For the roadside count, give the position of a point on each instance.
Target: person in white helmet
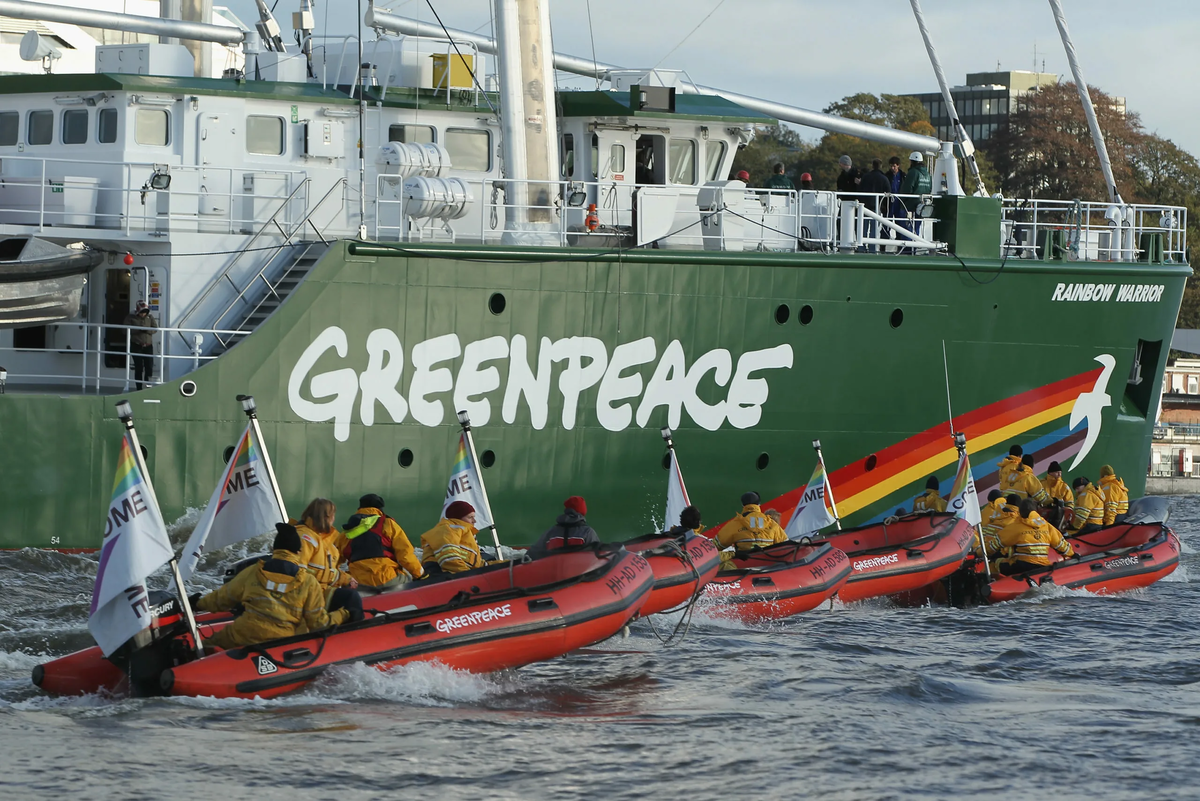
(917, 181)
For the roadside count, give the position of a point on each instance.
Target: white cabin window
(714, 155)
(683, 161)
(264, 135)
(568, 156)
(616, 157)
(10, 121)
(40, 129)
(417, 134)
(151, 126)
(106, 126)
(75, 126)
(469, 149)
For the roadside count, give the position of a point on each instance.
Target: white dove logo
(1089, 406)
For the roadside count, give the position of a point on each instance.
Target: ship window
(10, 121)
(617, 155)
(74, 126)
(469, 149)
(714, 156)
(106, 126)
(150, 127)
(419, 134)
(595, 156)
(568, 156)
(264, 135)
(41, 128)
(683, 161)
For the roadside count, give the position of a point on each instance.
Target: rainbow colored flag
(135, 545)
(963, 500)
(244, 505)
(467, 485)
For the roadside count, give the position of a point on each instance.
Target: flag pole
(464, 420)
(251, 410)
(837, 520)
(125, 413)
(960, 444)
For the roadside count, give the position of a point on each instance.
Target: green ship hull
(571, 362)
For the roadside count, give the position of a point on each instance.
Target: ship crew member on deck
(742, 176)
(1024, 483)
(278, 596)
(319, 551)
(749, 529)
(1027, 541)
(141, 343)
(450, 546)
(1009, 464)
(849, 178)
(1116, 496)
(570, 531)
(779, 180)
(931, 501)
(379, 554)
(895, 177)
(689, 523)
(1089, 507)
(806, 182)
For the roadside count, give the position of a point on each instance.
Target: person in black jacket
(875, 182)
(570, 531)
(849, 178)
(689, 522)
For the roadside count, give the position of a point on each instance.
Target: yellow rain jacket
(1089, 508)
(452, 545)
(931, 501)
(1058, 489)
(1116, 498)
(1025, 484)
(280, 598)
(1008, 464)
(750, 529)
(995, 516)
(382, 535)
(1029, 539)
(321, 555)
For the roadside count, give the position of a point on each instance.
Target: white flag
(244, 505)
(963, 501)
(677, 495)
(135, 545)
(812, 512)
(467, 485)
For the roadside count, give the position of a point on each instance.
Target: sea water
(1061, 695)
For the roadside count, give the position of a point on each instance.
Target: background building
(985, 102)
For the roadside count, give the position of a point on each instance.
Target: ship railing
(99, 358)
(51, 194)
(707, 217)
(1090, 231)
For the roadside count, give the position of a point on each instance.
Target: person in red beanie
(450, 546)
(570, 531)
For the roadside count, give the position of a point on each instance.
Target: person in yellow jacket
(749, 529)
(279, 598)
(1116, 496)
(1009, 464)
(1089, 507)
(1027, 541)
(319, 551)
(932, 500)
(378, 552)
(1055, 487)
(1024, 483)
(450, 546)
(995, 515)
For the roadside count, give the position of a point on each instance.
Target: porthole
(145, 453)
(806, 315)
(666, 462)
(782, 313)
(763, 460)
(487, 458)
(995, 306)
(497, 303)
(405, 459)
(187, 389)
(872, 460)
(227, 455)
(897, 318)
(847, 298)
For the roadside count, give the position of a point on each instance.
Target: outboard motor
(1151, 509)
(154, 649)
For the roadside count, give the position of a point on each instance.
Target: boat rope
(689, 609)
(592, 36)
(689, 36)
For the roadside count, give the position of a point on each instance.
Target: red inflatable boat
(893, 558)
(500, 616)
(779, 581)
(1113, 559)
(680, 571)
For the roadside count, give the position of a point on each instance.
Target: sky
(809, 53)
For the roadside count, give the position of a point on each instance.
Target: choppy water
(1065, 695)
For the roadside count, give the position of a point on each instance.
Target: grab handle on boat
(762, 581)
(417, 629)
(542, 604)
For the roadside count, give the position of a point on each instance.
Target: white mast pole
(251, 410)
(960, 133)
(837, 519)
(508, 61)
(1088, 109)
(464, 420)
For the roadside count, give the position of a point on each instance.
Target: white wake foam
(423, 683)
